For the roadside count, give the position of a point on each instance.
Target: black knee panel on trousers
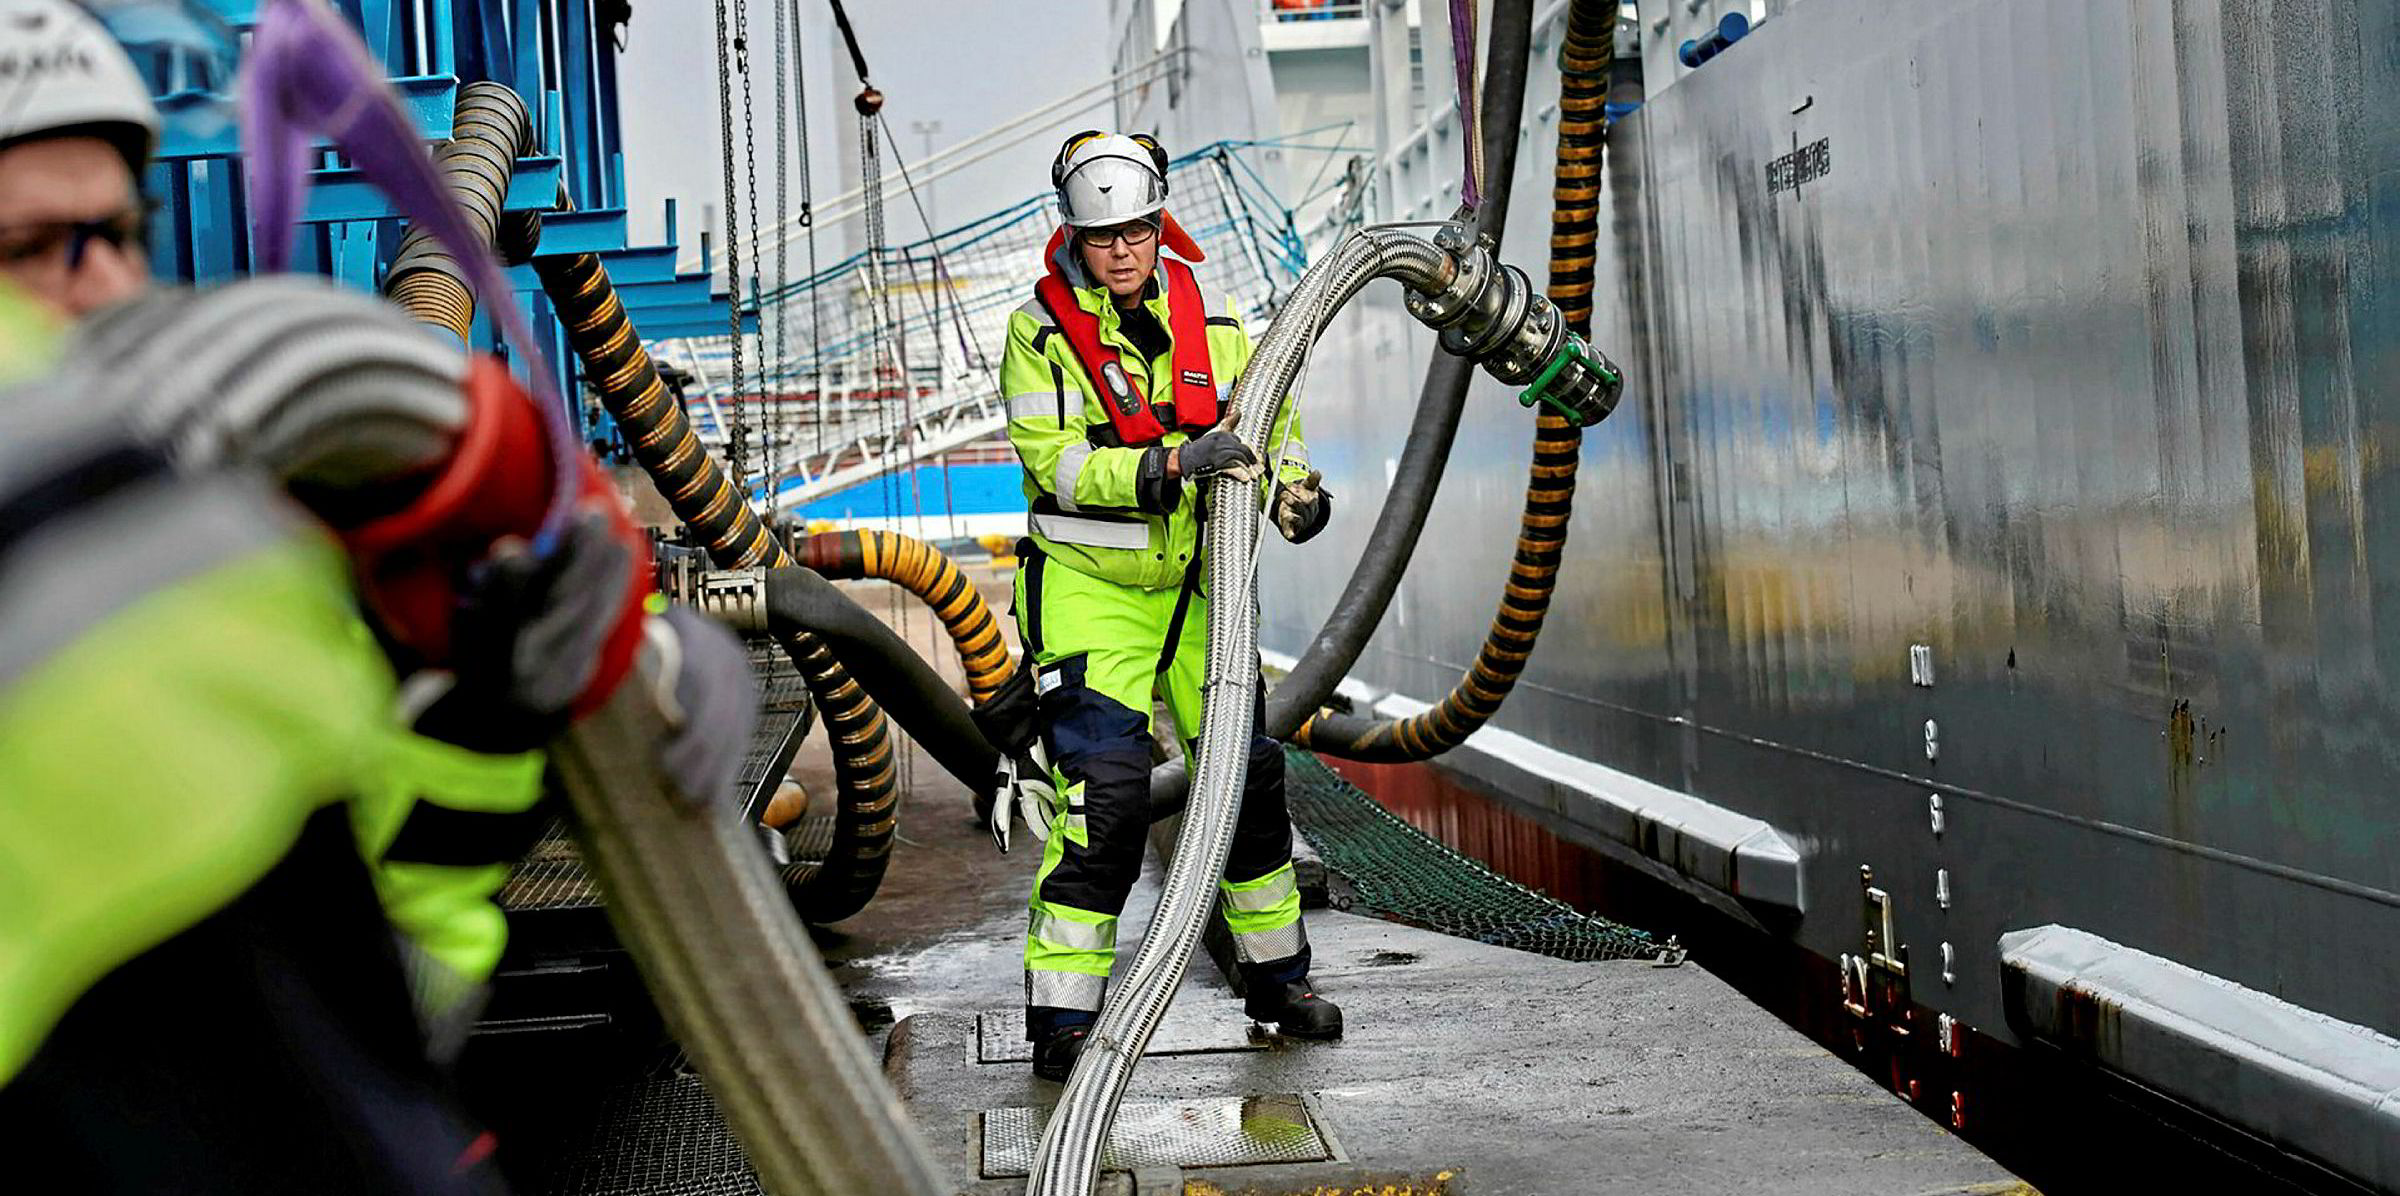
(1262, 836)
(1079, 722)
(1095, 741)
(1098, 874)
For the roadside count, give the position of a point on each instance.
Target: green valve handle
(1598, 371)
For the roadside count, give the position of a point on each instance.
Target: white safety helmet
(1109, 178)
(62, 74)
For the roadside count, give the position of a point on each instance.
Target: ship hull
(1996, 514)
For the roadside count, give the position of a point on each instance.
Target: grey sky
(967, 65)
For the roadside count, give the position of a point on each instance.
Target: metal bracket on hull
(2328, 1088)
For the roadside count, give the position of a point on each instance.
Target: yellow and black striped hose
(489, 131)
(923, 570)
(1557, 444)
(654, 425)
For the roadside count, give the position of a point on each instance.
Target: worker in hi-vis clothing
(1117, 380)
(455, 801)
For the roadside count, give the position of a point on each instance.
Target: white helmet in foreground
(1109, 178)
(61, 74)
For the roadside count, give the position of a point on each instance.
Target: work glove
(1218, 450)
(1302, 508)
(527, 638)
(1022, 789)
(712, 705)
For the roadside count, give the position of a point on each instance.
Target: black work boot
(1294, 1008)
(1055, 1054)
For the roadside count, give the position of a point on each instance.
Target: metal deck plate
(1225, 1131)
(1000, 1036)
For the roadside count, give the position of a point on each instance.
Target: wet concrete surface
(1467, 1067)
(950, 917)
(1510, 1072)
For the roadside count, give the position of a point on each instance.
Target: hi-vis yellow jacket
(1079, 482)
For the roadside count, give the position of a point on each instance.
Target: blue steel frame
(553, 54)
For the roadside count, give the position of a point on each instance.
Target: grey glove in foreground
(715, 707)
(527, 639)
(1303, 508)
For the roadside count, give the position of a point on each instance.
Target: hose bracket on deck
(736, 598)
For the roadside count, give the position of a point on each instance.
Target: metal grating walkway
(552, 876)
(659, 1137)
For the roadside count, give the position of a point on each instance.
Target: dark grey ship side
(1982, 584)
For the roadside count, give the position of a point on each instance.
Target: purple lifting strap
(1462, 61)
(308, 73)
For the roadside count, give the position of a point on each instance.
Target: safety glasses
(1132, 232)
(34, 242)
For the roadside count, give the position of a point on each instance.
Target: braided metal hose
(741, 985)
(923, 570)
(489, 130)
(1557, 442)
(661, 437)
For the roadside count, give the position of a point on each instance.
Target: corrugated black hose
(1557, 443)
(660, 435)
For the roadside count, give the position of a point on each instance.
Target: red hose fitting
(414, 564)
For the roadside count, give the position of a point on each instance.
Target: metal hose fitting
(1489, 311)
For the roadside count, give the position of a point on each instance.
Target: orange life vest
(1192, 402)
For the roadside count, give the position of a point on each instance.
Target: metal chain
(780, 346)
(741, 58)
(870, 175)
(733, 248)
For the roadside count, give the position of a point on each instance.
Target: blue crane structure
(560, 55)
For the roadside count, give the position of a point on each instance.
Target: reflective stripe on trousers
(1065, 990)
(1264, 916)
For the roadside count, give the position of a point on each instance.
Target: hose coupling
(736, 598)
(1489, 312)
(1581, 383)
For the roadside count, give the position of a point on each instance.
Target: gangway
(891, 357)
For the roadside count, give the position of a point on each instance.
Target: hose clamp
(1530, 345)
(1496, 314)
(1580, 382)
